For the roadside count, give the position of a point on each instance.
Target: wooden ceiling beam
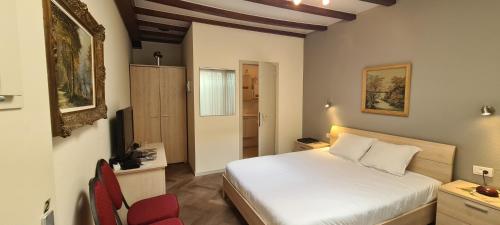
(161, 40)
(381, 2)
(161, 26)
(126, 9)
(161, 34)
(238, 16)
(306, 9)
(154, 13)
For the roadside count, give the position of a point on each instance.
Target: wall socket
(478, 170)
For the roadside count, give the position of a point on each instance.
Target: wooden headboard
(435, 160)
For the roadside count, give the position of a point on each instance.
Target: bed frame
(435, 160)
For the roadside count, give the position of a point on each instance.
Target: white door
(267, 108)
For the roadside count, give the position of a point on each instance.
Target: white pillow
(351, 147)
(389, 157)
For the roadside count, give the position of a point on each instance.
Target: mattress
(317, 188)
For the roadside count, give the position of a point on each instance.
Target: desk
(144, 182)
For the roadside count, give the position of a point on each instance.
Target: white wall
(172, 54)
(218, 138)
(25, 136)
(75, 157)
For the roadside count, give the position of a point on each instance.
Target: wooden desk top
(467, 190)
(159, 163)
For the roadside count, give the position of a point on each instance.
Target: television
(124, 131)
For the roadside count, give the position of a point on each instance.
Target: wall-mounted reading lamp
(485, 189)
(328, 105)
(487, 110)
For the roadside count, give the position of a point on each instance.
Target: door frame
(240, 116)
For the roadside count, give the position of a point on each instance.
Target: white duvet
(316, 188)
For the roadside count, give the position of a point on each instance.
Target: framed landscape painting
(386, 90)
(74, 42)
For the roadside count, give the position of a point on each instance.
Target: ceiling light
(297, 2)
(326, 2)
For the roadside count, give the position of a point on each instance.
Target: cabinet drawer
(443, 219)
(468, 211)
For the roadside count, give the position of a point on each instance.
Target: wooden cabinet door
(145, 98)
(173, 113)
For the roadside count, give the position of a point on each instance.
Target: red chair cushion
(171, 221)
(154, 209)
(109, 180)
(103, 205)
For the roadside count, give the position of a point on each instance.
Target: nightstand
(459, 204)
(299, 146)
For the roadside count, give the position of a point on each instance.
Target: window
(217, 92)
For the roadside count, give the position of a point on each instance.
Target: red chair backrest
(100, 204)
(108, 178)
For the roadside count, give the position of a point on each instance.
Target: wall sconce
(487, 110)
(328, 105)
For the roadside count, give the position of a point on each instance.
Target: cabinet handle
(259, 119)
(2, 98)
(476, 207)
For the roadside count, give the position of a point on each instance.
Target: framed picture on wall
(386, 90)
(74, 43)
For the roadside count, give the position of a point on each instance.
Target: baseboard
(209, 172)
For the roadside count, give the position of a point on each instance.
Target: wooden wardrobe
(158, 95)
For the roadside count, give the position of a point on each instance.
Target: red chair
(143, 212)
(100, 204)
(103, 210)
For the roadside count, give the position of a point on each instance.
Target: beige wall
(218, 138)
(75, 157)
(26, 169)
(454, 47)
(172, 54)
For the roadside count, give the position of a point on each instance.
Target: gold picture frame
(75, 61)
(386, 90)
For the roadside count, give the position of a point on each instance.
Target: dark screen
(128, 128)
(124, 132)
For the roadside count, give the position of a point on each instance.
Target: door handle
(259, 119)
(476, 207)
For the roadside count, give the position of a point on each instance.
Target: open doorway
(250, 90)
(259, 85)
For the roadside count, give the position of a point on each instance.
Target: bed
(314, 187)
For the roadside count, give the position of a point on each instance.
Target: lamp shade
(487, 110)
(328, 104)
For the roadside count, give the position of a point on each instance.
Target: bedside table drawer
(443, 219)
(468, 211)
(300, 147)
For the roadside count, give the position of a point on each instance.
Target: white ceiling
(245, 7)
